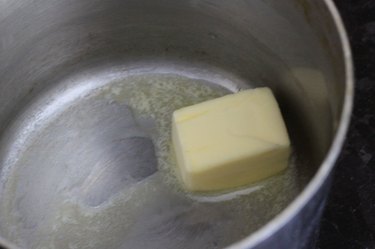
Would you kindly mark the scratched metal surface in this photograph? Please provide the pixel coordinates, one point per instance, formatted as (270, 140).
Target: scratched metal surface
(40, 51)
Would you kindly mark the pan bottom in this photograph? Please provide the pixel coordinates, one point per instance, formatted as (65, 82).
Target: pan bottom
(88, 165)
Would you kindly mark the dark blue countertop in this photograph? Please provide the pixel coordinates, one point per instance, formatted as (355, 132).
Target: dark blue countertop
(349, 218)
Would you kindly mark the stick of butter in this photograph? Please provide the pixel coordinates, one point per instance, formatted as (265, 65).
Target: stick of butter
(230, 141)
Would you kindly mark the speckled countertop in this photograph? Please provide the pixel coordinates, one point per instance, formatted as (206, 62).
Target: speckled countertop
(349, 218)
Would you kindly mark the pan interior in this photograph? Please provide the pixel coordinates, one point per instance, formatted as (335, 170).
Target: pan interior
(97, 156)
(86, 92)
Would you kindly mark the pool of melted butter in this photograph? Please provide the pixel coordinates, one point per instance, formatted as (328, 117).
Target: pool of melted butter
(153, 212)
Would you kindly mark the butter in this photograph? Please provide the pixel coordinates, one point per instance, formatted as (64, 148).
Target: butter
(230, 141)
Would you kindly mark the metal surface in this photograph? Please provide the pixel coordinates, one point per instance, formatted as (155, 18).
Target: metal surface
(86, 93)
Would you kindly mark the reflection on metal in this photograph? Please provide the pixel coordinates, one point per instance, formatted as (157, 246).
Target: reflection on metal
(74, 122)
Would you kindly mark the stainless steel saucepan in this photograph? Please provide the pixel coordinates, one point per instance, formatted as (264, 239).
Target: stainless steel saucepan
(87, 89)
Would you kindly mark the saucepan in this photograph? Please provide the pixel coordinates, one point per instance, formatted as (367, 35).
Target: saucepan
(87, 89)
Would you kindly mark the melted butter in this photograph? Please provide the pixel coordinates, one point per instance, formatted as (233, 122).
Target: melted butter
(156, 97)
(156, 212)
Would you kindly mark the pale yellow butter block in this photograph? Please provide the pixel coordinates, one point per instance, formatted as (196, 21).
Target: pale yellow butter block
(230, 141)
